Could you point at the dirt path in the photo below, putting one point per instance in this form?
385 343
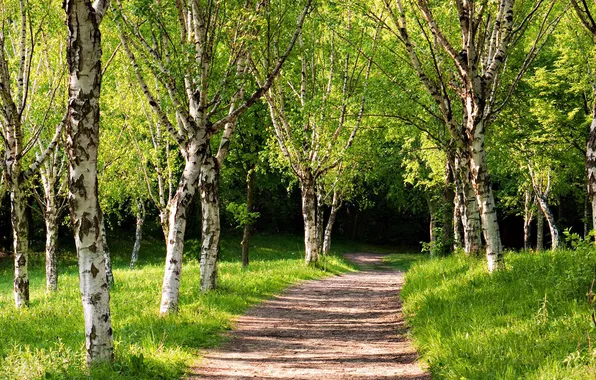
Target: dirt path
344 327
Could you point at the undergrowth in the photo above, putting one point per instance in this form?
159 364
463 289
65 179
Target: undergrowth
47 339
533 320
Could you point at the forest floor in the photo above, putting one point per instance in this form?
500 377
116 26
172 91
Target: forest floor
343 327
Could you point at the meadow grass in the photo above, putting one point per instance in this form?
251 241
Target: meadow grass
530 321
47 339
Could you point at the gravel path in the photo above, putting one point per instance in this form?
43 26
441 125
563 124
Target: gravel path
344 327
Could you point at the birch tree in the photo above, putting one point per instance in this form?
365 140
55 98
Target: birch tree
18 41
82 142
542 187
585 15
202 87
489 34
316 113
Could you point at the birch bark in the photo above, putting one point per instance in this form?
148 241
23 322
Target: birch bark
250 193
330 222
540 231
528 216
16 174
309 204
140 216
82 128
485 199
197 102
210 223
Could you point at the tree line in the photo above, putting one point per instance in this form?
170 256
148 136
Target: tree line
147 101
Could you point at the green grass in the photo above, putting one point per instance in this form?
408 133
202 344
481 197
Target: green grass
531 321
47 339
404 261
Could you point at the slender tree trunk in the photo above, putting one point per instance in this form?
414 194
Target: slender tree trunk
138 234
106 253
539 231
309 204
51 222
447 211
591 165
432 224
20 233
527 219
330 223
320 215
486 201
550 219
178 209
457 219
250 193
209 186
458 207
82 128
470 217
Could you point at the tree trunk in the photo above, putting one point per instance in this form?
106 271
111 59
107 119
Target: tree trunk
591 165
51 222
486 201
138 234
470 217
458 210
210 245
193 155
82 128
447 211
330 223
432 224
250 193
320 215
539 231
20 233
106 253
527 219
309 204
554 233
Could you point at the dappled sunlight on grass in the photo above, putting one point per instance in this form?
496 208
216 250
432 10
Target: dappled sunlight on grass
531 321
47 340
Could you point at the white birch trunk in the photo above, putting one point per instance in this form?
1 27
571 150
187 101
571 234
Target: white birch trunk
20 231
540 231
330 223
591 166
250 190
486 201
528 216
470 216
51 223
309 204
210 244
138 234
432 223
458 201
82 127
178 209
320 215
550 219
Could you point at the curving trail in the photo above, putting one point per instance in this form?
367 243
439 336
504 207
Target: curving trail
344 327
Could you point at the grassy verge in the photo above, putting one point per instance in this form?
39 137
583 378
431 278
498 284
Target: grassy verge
47 340
531 321
404 261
